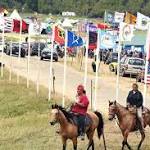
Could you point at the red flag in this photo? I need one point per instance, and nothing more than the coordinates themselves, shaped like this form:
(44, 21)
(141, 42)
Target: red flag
(17, 26)
(59, 36)
(102, 26)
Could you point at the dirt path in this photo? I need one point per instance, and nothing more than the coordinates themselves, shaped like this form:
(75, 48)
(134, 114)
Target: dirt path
(106, 83)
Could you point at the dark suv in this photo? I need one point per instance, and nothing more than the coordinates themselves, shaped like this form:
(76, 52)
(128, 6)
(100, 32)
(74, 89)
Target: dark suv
(37, 46)
(46, 54)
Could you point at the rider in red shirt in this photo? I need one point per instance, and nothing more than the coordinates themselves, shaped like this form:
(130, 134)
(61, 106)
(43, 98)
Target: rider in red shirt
(80, 108)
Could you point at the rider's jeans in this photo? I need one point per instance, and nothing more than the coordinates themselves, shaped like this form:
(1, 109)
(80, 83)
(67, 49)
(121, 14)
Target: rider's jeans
(139, 114)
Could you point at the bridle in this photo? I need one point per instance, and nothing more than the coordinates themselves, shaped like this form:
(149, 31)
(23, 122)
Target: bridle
(56, 120)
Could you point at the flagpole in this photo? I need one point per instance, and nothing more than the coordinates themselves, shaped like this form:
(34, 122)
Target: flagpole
(28, 59)
(118, 70)
(10, 70)
(2, 56)
(96, 76)
(86, 57)
(65, 65)
(20, 36)
(51, 66)
(147, 63)
(38, 69)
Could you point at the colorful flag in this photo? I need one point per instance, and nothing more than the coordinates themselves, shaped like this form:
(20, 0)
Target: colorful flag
(107, 40)
(148, 74)
(16, 27)
(73, 40)
(7, 22)
(59, 36)
(119, 17)
(130, 18)
(142, 21)
(92, 36)
(126, 32)
(108, 17)
(92, 40)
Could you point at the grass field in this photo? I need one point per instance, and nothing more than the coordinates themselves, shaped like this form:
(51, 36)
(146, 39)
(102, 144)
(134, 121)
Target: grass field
(24, 123)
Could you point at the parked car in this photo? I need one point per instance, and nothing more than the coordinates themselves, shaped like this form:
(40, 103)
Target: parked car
(35, 47)
(46, 54)
(15, 50)
(131, 66)
(113, 57)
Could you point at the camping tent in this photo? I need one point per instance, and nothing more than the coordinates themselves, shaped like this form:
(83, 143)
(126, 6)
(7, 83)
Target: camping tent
(15, 15)
(67, 24)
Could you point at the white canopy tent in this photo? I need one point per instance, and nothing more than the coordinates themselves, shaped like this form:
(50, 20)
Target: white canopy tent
(15, 15)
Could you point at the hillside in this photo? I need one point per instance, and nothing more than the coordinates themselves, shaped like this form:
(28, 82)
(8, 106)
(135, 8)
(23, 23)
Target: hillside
(90, 8)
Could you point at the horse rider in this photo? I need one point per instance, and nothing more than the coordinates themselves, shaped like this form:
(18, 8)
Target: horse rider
(135, 99)
(79, 108)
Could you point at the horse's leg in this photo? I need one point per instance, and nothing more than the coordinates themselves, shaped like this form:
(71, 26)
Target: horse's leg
(74, 140)
(142, 138)
(90, 137)
(125, 135)
(64, 141)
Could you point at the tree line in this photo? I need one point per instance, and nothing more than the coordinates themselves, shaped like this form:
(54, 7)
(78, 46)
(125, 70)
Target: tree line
(89, 8)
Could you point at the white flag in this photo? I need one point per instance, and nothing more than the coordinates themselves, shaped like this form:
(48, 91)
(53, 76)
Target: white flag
(142, 21)
(119, 17)
(126, 32)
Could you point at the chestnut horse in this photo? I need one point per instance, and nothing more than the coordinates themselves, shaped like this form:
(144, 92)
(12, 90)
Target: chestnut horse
(68, 130)
(128, 121)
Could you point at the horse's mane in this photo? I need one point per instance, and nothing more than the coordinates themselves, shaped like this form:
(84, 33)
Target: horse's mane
(67, 114)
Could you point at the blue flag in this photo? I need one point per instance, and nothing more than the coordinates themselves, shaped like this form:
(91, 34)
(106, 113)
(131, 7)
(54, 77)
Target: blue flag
(73, 40)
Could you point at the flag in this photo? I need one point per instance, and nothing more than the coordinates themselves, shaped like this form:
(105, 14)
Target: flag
(73, 40)
(92, 36)
(126, 32)
(108, 17)
(102, 26)
(130, 18)
(142, 21)
(148, 74)
(92, 40)
(7, 23)
(16, 26)
(119, 17)
(59, 35)
(107, 40)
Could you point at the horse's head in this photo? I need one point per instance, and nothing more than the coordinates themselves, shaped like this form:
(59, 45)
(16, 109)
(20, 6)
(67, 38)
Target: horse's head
(112, 110)
(54, 116)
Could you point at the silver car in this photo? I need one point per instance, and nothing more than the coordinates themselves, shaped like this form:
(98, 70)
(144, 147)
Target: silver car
(131, 66)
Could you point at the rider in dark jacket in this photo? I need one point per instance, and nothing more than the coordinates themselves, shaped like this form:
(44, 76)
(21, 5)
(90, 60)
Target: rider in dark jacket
(135, 99)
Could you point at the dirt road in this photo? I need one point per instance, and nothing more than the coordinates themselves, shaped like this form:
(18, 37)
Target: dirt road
(106, 82)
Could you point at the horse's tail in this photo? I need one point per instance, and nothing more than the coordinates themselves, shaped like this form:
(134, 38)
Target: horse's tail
(100, 125)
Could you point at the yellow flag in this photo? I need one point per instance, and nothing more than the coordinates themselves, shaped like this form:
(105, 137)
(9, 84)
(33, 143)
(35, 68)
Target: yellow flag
(130, 18)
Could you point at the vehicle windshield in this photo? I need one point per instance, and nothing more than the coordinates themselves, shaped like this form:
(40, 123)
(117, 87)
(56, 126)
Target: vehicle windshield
(137, 62)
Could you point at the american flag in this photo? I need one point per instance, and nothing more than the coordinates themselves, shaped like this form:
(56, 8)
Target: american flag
(8, 24)
(148, 74)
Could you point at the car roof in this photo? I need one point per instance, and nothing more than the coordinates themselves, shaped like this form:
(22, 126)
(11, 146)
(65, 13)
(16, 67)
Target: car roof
(135, 58)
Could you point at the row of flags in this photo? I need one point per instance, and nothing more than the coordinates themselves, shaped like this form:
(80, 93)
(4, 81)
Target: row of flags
(72, 39)
(12, 25)
(140, 21)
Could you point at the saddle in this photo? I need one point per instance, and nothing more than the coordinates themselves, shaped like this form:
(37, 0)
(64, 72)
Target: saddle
(133, 110)
(74, 120)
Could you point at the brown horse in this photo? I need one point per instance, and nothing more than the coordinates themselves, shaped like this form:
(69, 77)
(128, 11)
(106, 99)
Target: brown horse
(128, 121)
(68, 130)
